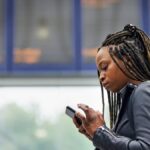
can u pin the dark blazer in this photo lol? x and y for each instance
(132, 128)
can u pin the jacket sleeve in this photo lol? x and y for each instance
(105, 139)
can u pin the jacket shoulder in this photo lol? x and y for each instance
(141, 93)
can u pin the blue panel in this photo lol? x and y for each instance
(145, 11)
(77, 33)
(9, 34)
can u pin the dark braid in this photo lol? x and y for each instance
(132, 47)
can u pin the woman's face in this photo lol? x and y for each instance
(111, 77)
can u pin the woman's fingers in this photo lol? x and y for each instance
(89, 112)
(80, 116)
(75, 122)
(78, 119)
(84, 107)
(83, 131)
(88, 122)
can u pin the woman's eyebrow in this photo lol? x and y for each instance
(100, 63)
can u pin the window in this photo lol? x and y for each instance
(62, 36)
(43, 32)
(35, 119)
(100, 17)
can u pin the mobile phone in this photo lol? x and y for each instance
(71, 113)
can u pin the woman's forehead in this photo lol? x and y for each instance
(103, 52)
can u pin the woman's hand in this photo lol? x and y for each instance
(90, 122)
(78, 122)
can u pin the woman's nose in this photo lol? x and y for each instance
(102, 76)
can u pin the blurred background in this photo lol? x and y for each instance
(47, 61)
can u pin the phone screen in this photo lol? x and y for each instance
(70, 111)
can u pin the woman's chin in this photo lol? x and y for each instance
(114, 90)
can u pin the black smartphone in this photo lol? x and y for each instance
(71, 113)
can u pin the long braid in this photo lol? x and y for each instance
(142, 67)
(132, 47)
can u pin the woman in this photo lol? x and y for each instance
(123, 63)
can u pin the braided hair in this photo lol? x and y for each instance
(132, 47)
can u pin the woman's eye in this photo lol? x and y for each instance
(104, 67)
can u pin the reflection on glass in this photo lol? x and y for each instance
(43, 32)
(27, 55)
(101, 17)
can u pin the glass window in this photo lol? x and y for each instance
(100, 17)
(43, 32)
(34, 118)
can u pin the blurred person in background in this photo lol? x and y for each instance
(123, 63)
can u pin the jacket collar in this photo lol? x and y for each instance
(128, 86)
